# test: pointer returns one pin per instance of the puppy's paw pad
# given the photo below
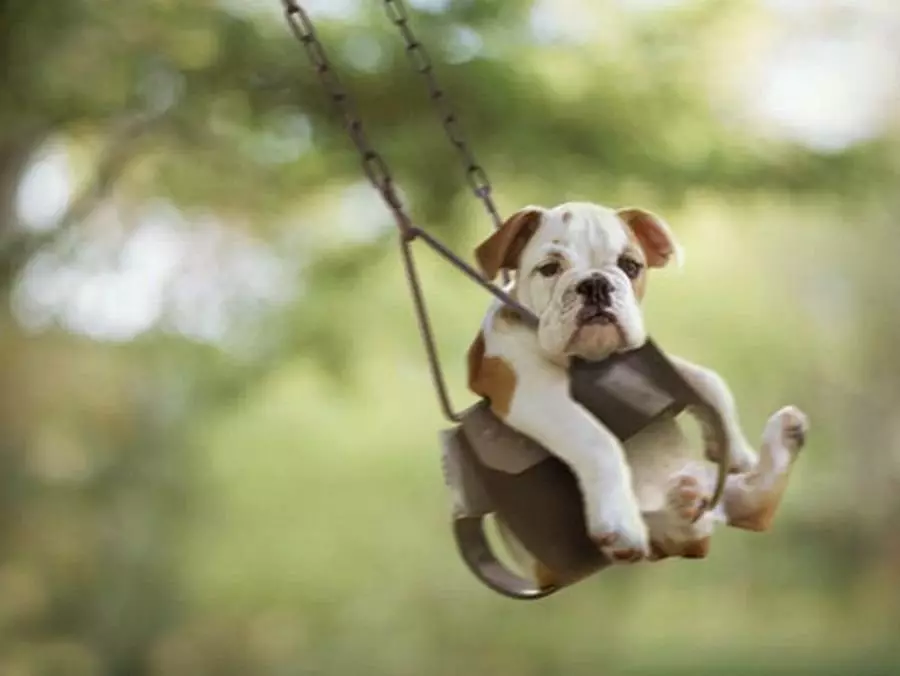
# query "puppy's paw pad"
(604, 540)
(612, 549)
(686, 497)
(789, 426)
(619, 549)
(618, 529)
(627, 555)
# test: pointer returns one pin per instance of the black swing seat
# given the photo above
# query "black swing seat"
(492, 469)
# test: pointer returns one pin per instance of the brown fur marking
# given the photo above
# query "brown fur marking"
(507, 314)
(491, 378)
(758, 512)
(650, 234)
(474, 357)
(504, 247)
(698, 549)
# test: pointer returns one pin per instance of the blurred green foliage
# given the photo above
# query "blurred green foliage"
(218, 450)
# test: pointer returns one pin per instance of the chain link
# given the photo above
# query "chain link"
(373, 164)
(420, 60)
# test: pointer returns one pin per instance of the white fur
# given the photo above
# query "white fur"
(587, 239)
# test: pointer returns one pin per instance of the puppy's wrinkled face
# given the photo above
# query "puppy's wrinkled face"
(582, 269)
(579, 273)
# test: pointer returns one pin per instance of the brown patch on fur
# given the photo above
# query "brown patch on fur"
(474, 357)
(491, 378)
(757, 521)
(627, 555)
(566, 217)
(507, 314)
(504, 247)
(695, 549)
(698, 549)
(652, 235)
(754, 513)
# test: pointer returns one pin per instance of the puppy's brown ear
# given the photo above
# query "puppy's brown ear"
(654, 235)
(503, 248)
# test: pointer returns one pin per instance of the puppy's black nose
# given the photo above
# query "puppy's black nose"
(596, 290)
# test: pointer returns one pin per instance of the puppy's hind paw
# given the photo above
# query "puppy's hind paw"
(686, 497)
(787, 427)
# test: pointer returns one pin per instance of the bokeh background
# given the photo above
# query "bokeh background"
(218, 439)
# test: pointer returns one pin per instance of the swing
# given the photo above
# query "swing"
(492, 470)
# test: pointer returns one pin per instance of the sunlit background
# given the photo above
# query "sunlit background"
(218, 437)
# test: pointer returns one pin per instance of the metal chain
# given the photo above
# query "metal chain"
(373, 164)
(377, 172)
(418, 56)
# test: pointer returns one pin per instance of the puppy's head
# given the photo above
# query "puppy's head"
(581, 268)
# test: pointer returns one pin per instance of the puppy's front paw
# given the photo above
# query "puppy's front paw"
(788, 428)
(620, 531)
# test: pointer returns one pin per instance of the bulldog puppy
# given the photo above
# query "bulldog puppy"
(582, 269)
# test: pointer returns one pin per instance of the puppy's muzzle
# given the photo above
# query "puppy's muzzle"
(596, 292)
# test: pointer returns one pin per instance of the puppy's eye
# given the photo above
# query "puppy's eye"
(549, 269)
(630, 267)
